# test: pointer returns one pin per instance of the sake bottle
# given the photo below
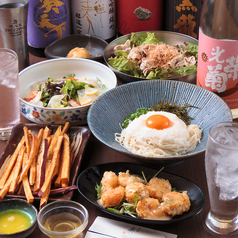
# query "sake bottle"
(47, 21)
(96, 18)
(218, 50)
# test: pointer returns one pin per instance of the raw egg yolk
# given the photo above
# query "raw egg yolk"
(158, 122)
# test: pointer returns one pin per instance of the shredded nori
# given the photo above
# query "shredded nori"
(180, 111)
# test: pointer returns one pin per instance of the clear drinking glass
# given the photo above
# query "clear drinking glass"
(221, 162)
(9, 92)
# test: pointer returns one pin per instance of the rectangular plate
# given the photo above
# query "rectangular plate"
(16, 136)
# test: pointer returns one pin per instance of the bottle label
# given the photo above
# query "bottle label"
(183, 16)
(139, 15)
(96, 18)
(47, 22)
(217, 68)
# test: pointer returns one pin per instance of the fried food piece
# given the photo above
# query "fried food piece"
(78, 52)
(109, 180)
(126, 178)
(175, 203)
(136, 191)
(112, 197)
(158, 187)
(149, 208)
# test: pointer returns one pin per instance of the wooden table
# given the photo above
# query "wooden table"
(192, 169)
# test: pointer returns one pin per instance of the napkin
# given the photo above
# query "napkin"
(104, 227)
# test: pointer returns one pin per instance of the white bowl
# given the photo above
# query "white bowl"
(58, 68)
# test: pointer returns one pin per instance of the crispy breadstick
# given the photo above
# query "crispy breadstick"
(30, 159)
(65, 164)
(27, 140)
(40, 167)
(17, 169)
(7, 185)
(58, 179)
(25, 182)
(27, 189)
(49, 176)
(53, 142)
(57, 166)
(19, 190)
(39, 138)
(32, 175)
(26, 168)
(11, 163)
(65, 129)
(44, 197)
(4, 165)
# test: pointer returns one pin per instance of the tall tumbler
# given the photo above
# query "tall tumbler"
(221, 160)
(9, 92)
(13, 28)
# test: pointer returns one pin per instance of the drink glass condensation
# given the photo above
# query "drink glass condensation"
(9, 92)
(221, 163)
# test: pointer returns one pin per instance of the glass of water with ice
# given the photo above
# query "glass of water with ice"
(9, 92)
(221, 163)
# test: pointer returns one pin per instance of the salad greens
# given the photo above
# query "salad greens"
(149, 39)
(122, 64)
(68, 87)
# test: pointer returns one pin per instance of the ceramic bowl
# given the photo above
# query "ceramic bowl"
(109, 111)
(58, 68)
(22, 206)
(61, 47)
(171, 38)
(69, 219)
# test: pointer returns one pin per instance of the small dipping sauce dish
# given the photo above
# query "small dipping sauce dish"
(63, 219)
(18, 218)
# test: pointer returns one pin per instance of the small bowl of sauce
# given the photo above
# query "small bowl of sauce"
(18, 218)
(63, 219)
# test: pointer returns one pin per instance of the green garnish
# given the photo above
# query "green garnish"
(69, 76)
(98, 190)
(126, 208)
(134, 115)
(158, 172)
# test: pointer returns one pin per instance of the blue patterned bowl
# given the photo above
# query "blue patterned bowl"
(58, 68)
(110, 109)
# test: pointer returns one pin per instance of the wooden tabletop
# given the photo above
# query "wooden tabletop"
(192, 169)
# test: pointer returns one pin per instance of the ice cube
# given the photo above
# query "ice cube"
(227, 175)
(227, 135)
